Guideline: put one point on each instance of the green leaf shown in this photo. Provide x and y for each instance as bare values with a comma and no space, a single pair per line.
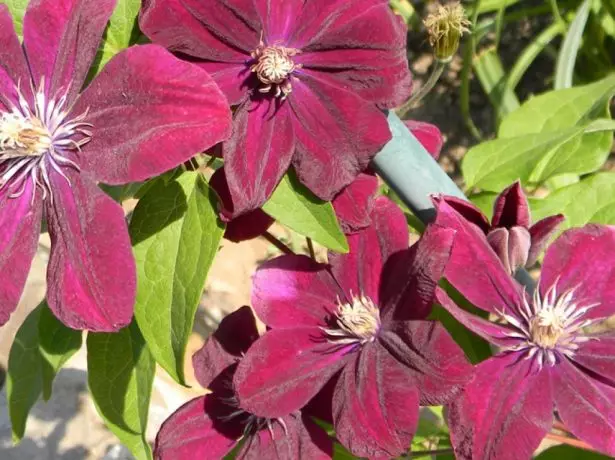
175,232
41,347
564,452
293,205
120,376
17,9
490,73
570,47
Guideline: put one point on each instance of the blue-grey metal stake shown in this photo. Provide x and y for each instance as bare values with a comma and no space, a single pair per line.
414,175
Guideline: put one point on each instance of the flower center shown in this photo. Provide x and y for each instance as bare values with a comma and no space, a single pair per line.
273,68
356,321
546,328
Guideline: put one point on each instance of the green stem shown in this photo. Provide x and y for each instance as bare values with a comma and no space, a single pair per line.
310,246
556,14
436,73
277,243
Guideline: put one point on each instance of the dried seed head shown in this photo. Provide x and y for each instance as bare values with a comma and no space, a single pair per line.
445,28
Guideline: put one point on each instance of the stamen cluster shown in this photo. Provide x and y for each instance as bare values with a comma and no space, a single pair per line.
274,66
357,321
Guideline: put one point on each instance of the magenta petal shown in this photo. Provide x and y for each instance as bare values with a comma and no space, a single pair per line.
505,406
436,364
292,291
13,65
208,29
428,135
468,211
571,262
284,369
354,204
585,406
91,277
20,223
337,134
540,234
359,271
498,240
278,18
598,357
375,406
511,209
474,269
190,432
234,336
151,112
258,153
232,79
61,38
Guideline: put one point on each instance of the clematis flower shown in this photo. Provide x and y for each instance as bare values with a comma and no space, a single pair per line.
510,233
308,80
547,359
144,114
210,426
361,323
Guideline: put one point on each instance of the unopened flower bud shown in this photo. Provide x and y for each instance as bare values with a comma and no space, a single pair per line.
445,28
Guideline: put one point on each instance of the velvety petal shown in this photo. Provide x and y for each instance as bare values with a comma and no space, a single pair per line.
297,438
518,247
234,80
428,135
245,227
61,38
354,204
375,406
223,31
337,134
585,406
278,18
410,278
359,271
498,240
234,336
284,369
291,291
503,413
91,277
469,212
540,234
489,331
190,432
474,269
571,262
151,112
20,223
511,209
258,153
359,45
436,364
598,357
13,65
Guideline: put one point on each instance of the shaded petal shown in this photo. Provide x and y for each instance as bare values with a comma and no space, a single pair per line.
223,31
234,336
278,18
428,135
354,204
598,357
489,331
284,369
234,80
190,431
571,262
505,405
359,45
61,38
518,247
474,269
337,134
498,240
585,406
540,234
291,291
13,65
375,406
20,224
245,227
151,112
258,153
359,271
469,212
91,277
436,364
511,209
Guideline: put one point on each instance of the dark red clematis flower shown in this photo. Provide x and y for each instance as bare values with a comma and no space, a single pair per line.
308,79
144,114
360,321
547,360
211,426
511,234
